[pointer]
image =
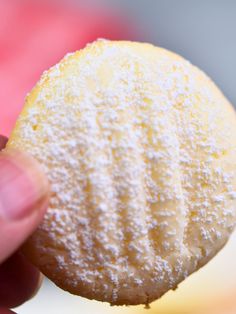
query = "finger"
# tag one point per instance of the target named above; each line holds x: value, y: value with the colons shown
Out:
x: 19, y: 281
x: 3, y: 142
x: 23, y: 200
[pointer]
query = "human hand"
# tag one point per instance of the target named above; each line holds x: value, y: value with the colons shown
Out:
x: 23, y: 202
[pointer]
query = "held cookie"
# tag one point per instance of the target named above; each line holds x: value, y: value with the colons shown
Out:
x: 139, y: 147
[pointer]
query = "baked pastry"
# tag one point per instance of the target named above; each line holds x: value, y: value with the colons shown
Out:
x: 139, y: 147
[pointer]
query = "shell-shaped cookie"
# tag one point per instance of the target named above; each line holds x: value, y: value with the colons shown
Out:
x: 139, y: 147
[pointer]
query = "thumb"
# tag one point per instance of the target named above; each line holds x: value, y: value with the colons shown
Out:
x: 23, y: 199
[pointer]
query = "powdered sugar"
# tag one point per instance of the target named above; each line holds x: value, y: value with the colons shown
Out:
x: 130, y: 139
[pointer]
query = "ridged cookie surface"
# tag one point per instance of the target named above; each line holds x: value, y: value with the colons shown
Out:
x: 139, y: 146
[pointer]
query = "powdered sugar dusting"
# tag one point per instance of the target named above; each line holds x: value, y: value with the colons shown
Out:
x: 136, y: 144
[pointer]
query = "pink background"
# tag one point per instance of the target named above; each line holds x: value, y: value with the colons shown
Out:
x: 35, y: 35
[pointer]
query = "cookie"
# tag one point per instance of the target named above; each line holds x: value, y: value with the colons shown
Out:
x: 139, y: 148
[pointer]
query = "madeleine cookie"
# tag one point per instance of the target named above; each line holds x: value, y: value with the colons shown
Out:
x: 139, y: 147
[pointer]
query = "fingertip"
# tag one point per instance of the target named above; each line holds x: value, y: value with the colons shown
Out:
x: 24, y: 196
x: 22, y: 185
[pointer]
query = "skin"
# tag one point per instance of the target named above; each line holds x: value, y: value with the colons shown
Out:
x: 23, y: 202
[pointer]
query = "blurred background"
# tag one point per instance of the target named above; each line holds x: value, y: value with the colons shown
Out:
x: 34, y: 35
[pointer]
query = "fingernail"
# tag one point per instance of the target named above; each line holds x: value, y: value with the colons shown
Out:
x: 22, y: 185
